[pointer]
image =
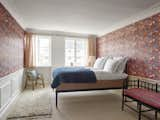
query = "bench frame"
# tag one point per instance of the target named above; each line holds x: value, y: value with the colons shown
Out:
x: 128, y: 84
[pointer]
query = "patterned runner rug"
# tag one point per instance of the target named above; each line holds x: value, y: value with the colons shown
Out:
x: 33, y: 104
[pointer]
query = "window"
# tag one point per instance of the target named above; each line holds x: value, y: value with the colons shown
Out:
x: 75, y: 52
x: 43, y: 50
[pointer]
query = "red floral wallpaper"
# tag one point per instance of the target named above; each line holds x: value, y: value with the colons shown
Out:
x: 140, y: 42
x: 11, y: 43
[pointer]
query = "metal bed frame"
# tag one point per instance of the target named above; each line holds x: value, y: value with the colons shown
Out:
x: 78, y: 90
x: 93, y: 89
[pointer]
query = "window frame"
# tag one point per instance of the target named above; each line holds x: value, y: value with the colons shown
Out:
x: 75, y: 49
x: 38, y: 51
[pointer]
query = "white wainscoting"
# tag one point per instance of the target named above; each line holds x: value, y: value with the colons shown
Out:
x: 10, y: 87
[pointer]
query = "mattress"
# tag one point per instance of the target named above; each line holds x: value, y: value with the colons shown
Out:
x: 103, y: 75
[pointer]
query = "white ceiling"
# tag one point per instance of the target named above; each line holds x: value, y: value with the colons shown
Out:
x: 81, y: 16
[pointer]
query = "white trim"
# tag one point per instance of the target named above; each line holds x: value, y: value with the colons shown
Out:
x: 11, y: 74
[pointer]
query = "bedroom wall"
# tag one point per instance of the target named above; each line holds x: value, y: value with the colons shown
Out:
x: 11, y: 59
x: 11, y: 47
x: 139, y: 41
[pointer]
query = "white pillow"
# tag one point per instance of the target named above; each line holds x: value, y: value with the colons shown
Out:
x: 122, y: 65
x: 111, y: 65
x: 99, y: 63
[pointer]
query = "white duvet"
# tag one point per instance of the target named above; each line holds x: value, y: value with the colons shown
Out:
x: 103, y: 75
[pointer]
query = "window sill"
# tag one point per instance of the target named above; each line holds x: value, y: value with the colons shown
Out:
x: 43, y: 66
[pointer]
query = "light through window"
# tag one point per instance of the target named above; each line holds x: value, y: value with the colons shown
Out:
x: 43, y: 51
x: 75, y: 52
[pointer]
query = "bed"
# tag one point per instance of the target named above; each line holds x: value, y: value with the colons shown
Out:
x: 104, y: 81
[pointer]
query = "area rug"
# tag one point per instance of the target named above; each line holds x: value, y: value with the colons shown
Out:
x: 33, y: 104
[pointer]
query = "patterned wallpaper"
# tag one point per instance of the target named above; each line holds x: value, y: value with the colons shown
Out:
x: 11, y: 43
x: 140, y: 42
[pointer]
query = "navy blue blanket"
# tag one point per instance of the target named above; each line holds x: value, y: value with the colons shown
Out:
x: 72, y: 75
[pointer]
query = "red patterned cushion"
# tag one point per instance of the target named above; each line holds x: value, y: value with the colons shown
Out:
x: 145, y: 96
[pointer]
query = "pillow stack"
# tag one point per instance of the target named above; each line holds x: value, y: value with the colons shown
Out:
x: 111, y: 64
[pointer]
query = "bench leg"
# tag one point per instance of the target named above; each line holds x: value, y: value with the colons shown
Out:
x: 137, y: 105
x: 56, y: 99
x: 26, y: 82
x: 156, y: 115
x: 43, y: 82
x: 139, y: 111
x: 36, y: 82
x: 33, y: 84
x: 123, y: 100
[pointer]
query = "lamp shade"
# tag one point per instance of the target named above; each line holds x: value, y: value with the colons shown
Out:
x: 91, y: 60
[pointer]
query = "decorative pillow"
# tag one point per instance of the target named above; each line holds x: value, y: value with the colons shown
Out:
x: 32, y: 74
x: 111, y: 65
x: 121, y: 64
x: 99, y: 63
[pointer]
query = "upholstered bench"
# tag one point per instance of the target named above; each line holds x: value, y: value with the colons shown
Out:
x: 144, y: 93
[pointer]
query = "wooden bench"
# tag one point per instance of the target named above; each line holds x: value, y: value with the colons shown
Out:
x: 143, y: 93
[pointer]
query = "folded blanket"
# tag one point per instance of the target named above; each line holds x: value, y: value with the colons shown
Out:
x: 72, y: 75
